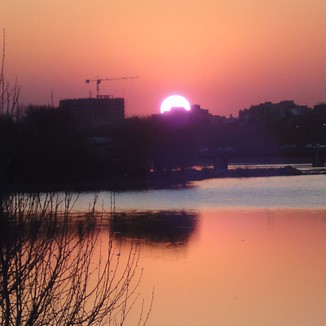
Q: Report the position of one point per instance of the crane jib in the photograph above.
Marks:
(99, 80)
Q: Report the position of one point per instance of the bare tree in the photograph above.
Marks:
(9, 95)
(56, 269)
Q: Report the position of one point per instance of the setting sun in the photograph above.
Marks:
(175, 102)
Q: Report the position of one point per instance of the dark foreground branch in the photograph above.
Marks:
(57, 268)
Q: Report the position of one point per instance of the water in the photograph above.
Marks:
(256, 257)
(248, 251)
(242, 267)
(308, 191)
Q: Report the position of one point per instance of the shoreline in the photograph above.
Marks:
(164, 180)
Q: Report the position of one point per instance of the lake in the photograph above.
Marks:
(254, 252)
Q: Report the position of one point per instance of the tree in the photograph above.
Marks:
(51, 272)
(9, 95)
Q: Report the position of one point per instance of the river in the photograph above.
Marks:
(254, 252)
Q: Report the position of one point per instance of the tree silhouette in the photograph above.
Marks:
(9, 95)
(56, 270)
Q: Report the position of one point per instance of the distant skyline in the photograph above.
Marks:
(224, 55)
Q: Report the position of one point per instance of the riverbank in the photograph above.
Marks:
(172, 179)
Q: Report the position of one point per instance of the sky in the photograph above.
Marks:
(225, 55)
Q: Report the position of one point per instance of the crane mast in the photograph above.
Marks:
(99, 80)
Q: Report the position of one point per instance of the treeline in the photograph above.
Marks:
(45, 146)
(42, 146)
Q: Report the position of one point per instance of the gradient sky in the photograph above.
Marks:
(222, 54)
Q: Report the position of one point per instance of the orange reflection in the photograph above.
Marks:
(252, 267)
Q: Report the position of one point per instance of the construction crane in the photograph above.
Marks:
(99, 80)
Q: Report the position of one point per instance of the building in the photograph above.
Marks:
(269, 112)
(200, 114)
(181, 116)
(95, 113)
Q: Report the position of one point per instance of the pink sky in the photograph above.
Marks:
(224, 55)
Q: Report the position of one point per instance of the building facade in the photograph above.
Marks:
(95, 113)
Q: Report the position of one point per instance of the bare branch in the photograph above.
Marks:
(57, 268)
(9, 96)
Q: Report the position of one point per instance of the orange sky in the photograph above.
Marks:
(222, 54)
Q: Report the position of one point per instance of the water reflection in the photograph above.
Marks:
(172, 227)
(244, 267)
(58, 268)
(254, 250)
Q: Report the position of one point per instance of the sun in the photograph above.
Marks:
(175, 102)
